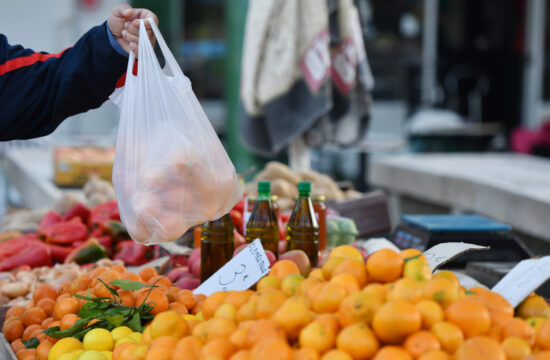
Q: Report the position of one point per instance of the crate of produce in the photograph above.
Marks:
(75, 165)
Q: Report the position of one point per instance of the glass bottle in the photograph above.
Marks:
(302, 231)
(263, 222)
(217, 245)
(321, 214)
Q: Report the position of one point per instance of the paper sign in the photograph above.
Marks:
(373, 245)
(523, 279)
(445, 252)
(240, 273)
(344, 64)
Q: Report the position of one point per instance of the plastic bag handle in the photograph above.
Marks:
(168, 57)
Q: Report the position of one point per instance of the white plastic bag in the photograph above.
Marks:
(170, 172)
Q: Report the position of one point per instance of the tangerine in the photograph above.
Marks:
(155, 298)
(318, 336)
(65, 306)
(431, 313)
(47, 305)
(329, 298)
(395, 321)
(282, 268)
(480, 348)
(13, 329)
(385, 266)
(518, 327)
(146, 273)
(515, 348)
(405, 289)
(186, 298)
(355, 268)
(435, 355)
(421, 342)
(449, 335)
(271, 349)
(212, 303)
(534, 305)
(358, 307)
(44, 291)
(358, 341)
(221, 348)
(542, 336)
(392, 353)
(444, 291)
(470, 316)
(347, 282)
(34, 315)
(336, 355)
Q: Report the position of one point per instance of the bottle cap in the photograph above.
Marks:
(304, 187)
(264, 186)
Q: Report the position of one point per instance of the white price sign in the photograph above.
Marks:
(445, 252)
(523, 279)
(240, 273)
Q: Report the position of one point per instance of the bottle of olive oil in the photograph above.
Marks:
(302, 232)
(263, 223)
(217, 245)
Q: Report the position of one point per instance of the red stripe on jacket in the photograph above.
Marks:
(17, 63)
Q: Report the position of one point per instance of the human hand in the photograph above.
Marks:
(124, 25)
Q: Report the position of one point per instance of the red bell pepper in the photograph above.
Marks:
(34, 254)
(15, 245)
(67, 232)
(79, 211)
(106, 242)
(59, 253)
(132, 253)
(47, 221)
(102, 214)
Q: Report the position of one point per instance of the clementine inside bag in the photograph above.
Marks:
(171, 171)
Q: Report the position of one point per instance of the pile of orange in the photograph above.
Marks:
(50, 307)
(389, 308)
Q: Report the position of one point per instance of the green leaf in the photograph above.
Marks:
(135, 323)
(111, 290)
(31, 344)
(129, 285)
(56, 332)
(114, 321)
(412, 258)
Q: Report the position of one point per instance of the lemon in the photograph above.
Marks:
(91, 355)
(98, 339)
(67, 356)
(124, 339)
(120, 332)
(168, 323)
(107, 354)
(77, 353)
(64, 346)
(136, 336)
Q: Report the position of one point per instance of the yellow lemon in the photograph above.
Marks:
(227, 311)
(91, 355)
(136, 336)
(120, 332)
(77, 352)
(64, 346)
(169, 323)
(98, 339)
(125, 339)
(107, 354)
(68, 356)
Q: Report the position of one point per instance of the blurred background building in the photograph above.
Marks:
(480, 65)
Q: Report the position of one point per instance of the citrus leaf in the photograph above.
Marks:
(114, 321)
(135, 323)
(129, 285)
(32, 343)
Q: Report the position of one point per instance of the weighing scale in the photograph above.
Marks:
(424, 231)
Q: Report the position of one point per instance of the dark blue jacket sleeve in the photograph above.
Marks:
(38, 90)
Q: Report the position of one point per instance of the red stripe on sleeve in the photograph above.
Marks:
(122, 80)
(17, 63)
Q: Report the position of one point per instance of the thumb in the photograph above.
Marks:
(127, 12)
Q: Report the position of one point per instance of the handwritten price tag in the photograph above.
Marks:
(240, 273)
(445, 252)
(523, 279)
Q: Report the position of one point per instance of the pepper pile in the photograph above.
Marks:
(80, 235)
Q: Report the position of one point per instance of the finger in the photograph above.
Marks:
(129, 37)
(133, 46)
(123, 11)
(131, 28)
